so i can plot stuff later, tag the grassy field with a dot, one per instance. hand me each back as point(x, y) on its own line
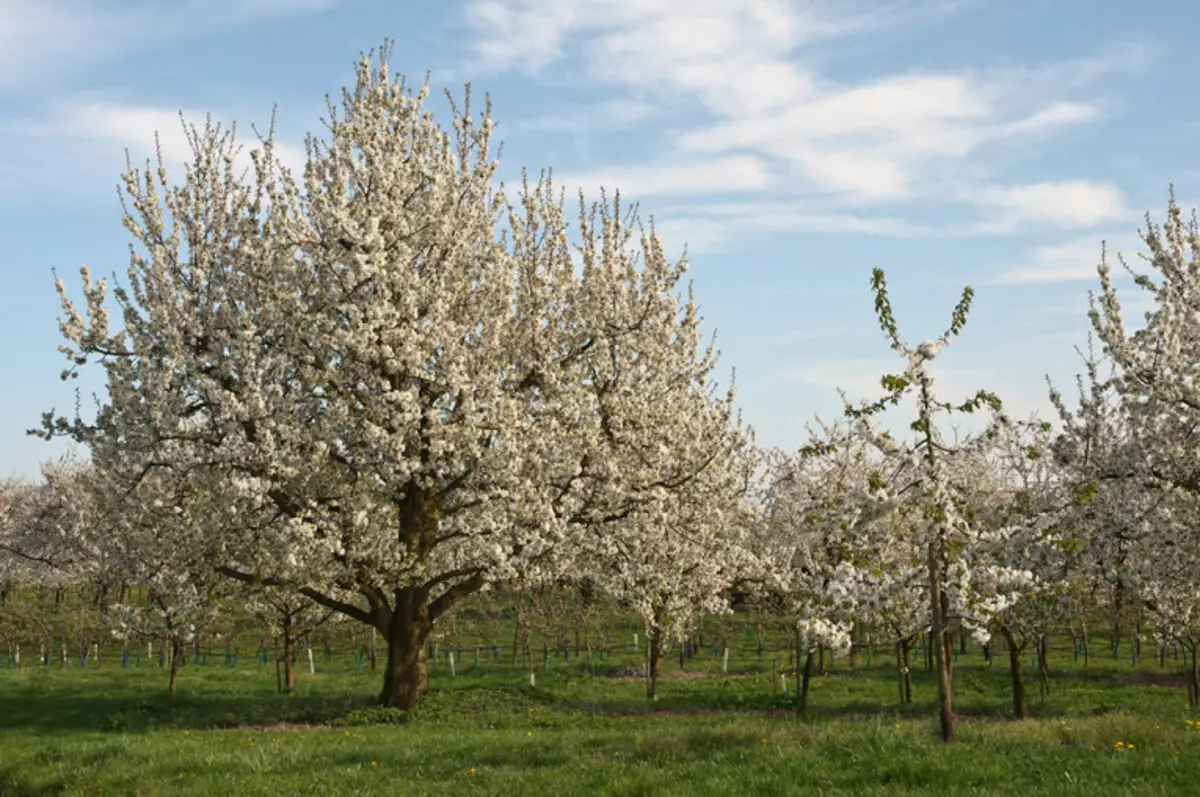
point(1108, 730)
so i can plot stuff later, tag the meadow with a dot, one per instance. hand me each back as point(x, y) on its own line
point(1108, 728)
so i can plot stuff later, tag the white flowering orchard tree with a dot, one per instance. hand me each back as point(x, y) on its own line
point(390, 397)
point(821, 504)
point(678, 554)
point(288, 617)
point(1110, 491)
point(1156, 379)
point(1025, 558)
point(46, 541)
point(945, 531)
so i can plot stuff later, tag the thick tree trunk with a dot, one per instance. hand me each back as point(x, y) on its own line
point(406, 676)
point(937, 633)
point(1020, 700)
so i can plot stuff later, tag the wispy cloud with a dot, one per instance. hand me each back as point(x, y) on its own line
point(745, 65)
point(1070, 261)
point(1071, 203)
point(714, 176)
point(611, 115)
point(39, 38)
point(91, 136)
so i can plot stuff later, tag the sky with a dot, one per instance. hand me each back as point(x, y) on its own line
point(790, 146)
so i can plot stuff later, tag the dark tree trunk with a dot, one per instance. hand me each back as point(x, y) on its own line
point(654, 659)
point(1020, 700)
point(517, 627)
point(802, 692)
point(1043, 665)
point(289, 651)
point(937, 635)
point(177, 654)
point(406, 677)
point(1194, 676)
point(1083, 632)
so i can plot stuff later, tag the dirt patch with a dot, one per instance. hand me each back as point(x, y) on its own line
point(673, 715)
point(669, 676)
point(283, 727)
point(1152, 679)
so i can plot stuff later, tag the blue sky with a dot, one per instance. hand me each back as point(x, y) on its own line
point(792, 145)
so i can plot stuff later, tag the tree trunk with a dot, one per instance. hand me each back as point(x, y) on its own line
point(1084, 637)
point(653, 661)
point(1043, 665)
point(406, 676)
point(176, 658)
point(1020, 701)
point(903, 668)
point(289, 650)
point(517, 627)
point(802, 692)
point(938, 632)
point(1194, 676)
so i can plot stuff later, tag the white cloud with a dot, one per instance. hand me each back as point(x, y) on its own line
point(39, 38)
point(92, 136)
point(1069, 261)
point(1060, 113)
point(744, 64)
point(1071, 203)
point(711, 226)
point(611, 115)
point(733, 173)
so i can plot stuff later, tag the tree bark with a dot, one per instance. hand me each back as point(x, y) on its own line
point(802, 692)
point(654, 661)
point(1020, 700)
point(1194, 676)
point(937, 633)
point(1043, 665)
point(177, 648)
point(289, 649)
point(517, 627)
point(1083, 633)
point(406, 676)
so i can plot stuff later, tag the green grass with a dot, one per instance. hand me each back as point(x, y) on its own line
point(116, 731)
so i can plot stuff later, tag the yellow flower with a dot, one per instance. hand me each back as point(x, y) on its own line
point(472, 770)
point(529, 734)
point(372, 763)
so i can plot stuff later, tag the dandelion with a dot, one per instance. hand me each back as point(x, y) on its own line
point(472, 770)
point(372, 763)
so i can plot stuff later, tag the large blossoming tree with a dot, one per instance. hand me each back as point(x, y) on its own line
point(399, 386)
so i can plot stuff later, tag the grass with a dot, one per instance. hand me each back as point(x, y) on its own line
point(485, 731)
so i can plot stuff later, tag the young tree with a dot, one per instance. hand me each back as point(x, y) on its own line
point(946, 531)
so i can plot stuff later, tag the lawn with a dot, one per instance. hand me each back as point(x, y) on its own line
point(1108, 730)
